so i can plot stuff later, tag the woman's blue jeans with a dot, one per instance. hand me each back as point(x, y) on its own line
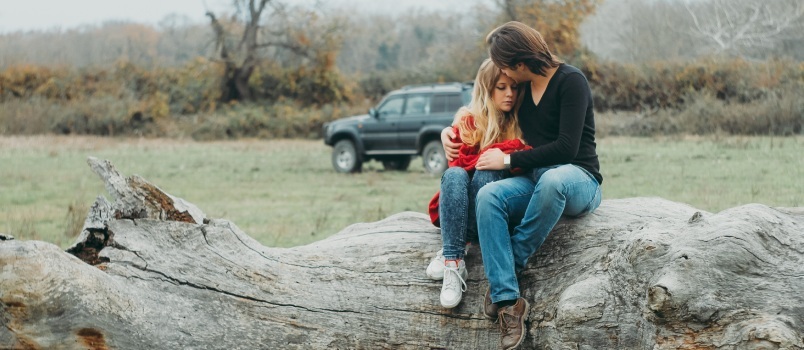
point(456, 207)
point(515, 215)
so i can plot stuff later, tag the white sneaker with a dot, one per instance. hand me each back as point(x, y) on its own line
point(454, 283)
point(435, 271)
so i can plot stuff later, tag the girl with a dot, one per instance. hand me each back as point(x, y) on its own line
point(489, 122)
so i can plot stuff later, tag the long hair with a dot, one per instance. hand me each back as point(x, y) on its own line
point(491, 125)
point(515, 42)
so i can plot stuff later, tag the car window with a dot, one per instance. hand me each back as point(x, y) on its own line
point(393, 106)
point(466, 97)
point(454, 103)
point(446, 103)
point(418, 104)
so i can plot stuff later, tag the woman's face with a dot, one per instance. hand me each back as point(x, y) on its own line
point(504, 93)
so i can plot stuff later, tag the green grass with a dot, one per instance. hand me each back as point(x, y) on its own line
point(285, 193)
point(712, 174)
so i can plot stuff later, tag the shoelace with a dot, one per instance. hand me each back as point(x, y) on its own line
point(504, 323)
point(450, 281)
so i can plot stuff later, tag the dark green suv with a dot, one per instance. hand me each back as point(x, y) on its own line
point(406, 123)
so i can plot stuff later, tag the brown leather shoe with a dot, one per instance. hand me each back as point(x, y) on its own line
point(512, 324)
point(489, 309)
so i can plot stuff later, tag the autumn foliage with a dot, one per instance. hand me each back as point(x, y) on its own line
point(324, 69)
point(559, 21)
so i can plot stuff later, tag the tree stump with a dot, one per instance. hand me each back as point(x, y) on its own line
point(150, 270)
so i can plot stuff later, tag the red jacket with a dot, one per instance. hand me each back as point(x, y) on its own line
point(467, 158)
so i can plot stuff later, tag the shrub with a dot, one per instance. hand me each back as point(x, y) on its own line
point(633, 87)
point(285, 119)
point(732, 96)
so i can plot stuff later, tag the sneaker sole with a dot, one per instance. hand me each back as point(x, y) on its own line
point(522, 325)
point(451, 306)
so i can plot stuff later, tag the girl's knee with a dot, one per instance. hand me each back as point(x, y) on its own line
point(487, 176)
point(455, 174)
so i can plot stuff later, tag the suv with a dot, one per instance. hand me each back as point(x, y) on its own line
point(406, 123)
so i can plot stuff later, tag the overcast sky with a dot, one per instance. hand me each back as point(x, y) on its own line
point(64, 14)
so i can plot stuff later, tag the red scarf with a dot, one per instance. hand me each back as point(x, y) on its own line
point(467, 159)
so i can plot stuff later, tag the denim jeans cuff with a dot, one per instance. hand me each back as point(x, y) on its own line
point(509, 296)
point(453, 257)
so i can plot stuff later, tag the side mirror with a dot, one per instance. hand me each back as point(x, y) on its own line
point(373, 113)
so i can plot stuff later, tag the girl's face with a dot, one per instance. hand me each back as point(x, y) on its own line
point(504, 93)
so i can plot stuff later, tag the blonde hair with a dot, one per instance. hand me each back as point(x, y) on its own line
point(491, 125)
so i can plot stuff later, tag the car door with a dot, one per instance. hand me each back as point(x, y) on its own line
point(416, 115)
point(379, 133)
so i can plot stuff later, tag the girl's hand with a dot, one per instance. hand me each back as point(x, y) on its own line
point(450, 148)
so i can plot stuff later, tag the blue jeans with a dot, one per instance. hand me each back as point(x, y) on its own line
point(531, 206)
point(456, 208)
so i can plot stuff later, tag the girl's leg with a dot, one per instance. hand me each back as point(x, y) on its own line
point(453, 211)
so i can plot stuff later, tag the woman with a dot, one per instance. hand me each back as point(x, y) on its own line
point(489, 122)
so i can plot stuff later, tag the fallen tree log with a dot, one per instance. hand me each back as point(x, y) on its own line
point(151, 271)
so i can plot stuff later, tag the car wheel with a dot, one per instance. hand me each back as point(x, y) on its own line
point(396, 163)
point(345, 158)
point(435, 162)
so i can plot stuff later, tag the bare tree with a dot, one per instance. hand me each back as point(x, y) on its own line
point(239, 58)
point(509, 9)
point(743, 27)
point(259, 29)
point(648, 30)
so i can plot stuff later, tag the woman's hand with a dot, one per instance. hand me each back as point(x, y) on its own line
point(491, 159)
point(450, 148)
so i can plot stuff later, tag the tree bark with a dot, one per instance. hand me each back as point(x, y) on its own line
point(151, 271)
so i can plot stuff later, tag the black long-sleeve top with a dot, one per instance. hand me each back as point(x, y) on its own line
point(561, 129)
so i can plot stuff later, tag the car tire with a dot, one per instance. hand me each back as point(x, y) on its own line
point(433, 158)
point(345, 158)
point(396, 163)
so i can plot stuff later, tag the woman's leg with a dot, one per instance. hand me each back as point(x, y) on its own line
point(453, 211)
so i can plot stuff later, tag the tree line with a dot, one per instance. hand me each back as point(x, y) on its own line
point(269, 69)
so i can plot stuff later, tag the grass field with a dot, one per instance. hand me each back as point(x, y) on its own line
point(285, 193)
